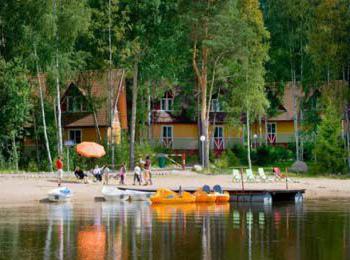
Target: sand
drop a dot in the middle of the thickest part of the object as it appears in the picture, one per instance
(26, 188)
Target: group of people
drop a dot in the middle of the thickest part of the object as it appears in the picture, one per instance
(142, 172)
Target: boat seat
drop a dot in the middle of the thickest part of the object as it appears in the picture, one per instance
(217, 188)
(206, 188)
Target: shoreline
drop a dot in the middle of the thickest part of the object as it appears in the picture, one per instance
(31, 187)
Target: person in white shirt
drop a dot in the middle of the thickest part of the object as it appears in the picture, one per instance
(137, 174)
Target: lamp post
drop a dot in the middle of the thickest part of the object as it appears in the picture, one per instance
(68, 144)
(255, 136)
(202, 139)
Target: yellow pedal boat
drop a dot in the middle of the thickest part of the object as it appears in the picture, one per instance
(222, 197)
(202, 196)
(167, 196)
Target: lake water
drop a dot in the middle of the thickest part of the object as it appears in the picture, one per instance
(101, 230)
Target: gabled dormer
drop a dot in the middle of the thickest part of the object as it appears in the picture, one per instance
(73, 100)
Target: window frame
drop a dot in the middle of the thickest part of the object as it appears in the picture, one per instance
(268, 132)
(167, 138)
(73, 131)
(74, 100)
(215, 108)
(222, 137)
(167, 103)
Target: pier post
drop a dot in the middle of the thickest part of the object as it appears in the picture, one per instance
(242, 181)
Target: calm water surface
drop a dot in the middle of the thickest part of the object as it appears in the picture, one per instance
(101, 230)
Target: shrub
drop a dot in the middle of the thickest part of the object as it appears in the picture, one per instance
(226, 160)
(240, 152)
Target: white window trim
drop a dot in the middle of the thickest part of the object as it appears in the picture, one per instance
(172, 134)
(71, 110)
(222, 137)
(76, 129)
(212, 105)
(166, 108)
(272, 123)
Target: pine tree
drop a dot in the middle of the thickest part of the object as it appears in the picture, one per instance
(329, 149)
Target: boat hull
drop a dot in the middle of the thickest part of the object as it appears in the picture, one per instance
(59, 195)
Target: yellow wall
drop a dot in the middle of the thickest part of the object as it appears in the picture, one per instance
(179, 130)
(88, 134)
(191, 130)
(283, 127)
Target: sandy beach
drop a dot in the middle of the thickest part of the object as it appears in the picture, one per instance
(25, 188)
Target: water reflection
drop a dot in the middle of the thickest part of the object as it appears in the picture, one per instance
(206, 231)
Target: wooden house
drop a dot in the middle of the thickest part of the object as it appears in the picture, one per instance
(174, 130)
(94, 107)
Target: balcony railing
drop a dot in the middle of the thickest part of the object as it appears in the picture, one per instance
(189, 143)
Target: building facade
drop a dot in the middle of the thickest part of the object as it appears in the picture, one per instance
(179, 132)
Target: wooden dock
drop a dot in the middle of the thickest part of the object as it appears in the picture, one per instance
(265, 196)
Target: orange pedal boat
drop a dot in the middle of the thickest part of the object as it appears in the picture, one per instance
(202, 196)
(167, 196)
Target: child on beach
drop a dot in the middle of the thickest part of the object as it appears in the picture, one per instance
(122, 173)
(59, 167)
(137, 174)
(147, 174)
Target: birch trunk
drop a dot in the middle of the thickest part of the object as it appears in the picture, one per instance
(133, 116)
(96, 125)
(248, 140)
(58, 97)
(295, 117)
(47, 145)
(347, 135)
(149, 114)
(14, 150)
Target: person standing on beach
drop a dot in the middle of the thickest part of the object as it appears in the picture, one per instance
(59, 167)
(148, 174)
(122, 173)
(137, 174)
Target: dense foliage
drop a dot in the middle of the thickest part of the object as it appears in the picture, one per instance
(236, 47)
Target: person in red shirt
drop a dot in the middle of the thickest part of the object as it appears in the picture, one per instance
(59, 167)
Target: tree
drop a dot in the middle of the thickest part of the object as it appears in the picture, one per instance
(217, 59)
(329, 150)
(289, 60)
(14, 104)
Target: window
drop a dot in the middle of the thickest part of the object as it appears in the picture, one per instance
(167, 102)
(75, 135)
(271, 133)
(219, 138)
(215, 105)
(167, 136)
(75, 104)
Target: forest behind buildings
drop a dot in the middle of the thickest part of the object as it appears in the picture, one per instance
(242, 53)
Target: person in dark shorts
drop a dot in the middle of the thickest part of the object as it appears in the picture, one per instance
(80, 174)
(122, 173)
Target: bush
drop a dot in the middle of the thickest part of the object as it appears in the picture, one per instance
(240, 151)
(226, 160)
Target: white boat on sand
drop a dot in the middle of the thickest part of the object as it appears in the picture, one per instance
(60, 194)
(112, 193)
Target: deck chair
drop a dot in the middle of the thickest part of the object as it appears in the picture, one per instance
(262, 174)
(206, 188)
(279, 176)
(217, 188)
(277, 173)
(236, 175)
(250, 175)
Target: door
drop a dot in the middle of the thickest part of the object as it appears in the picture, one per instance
(271, 133)
(167, 136)
(219, 138)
